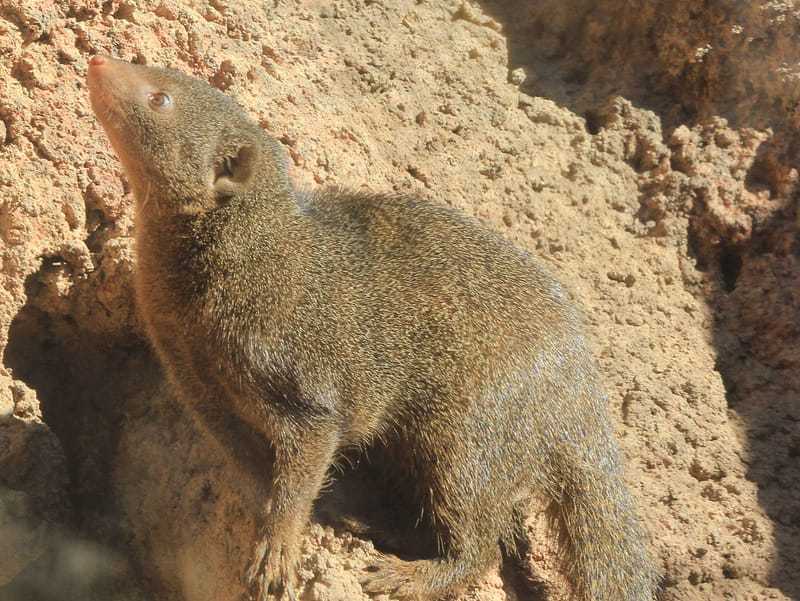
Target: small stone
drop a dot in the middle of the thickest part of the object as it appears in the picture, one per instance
(634, 320)
(225, 76)
(166, 12)
(725, 138)
(37, 71)
(418, 174)
(517, 76)
(616, 276)
(681, 136)
(64, 40)
(24, 400)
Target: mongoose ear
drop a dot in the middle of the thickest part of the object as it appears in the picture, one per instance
(233, 172)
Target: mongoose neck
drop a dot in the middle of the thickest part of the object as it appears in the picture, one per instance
(268, 224)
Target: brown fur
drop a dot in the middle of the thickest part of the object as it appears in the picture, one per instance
(318, 323)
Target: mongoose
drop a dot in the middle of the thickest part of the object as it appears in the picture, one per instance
(314, 323)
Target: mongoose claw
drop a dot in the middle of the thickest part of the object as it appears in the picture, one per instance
(391, 577)
(256, 590)
(270, 572)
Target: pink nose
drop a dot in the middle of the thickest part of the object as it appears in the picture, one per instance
(102, 67)
(101, 72)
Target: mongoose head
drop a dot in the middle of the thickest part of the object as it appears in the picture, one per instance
(185, 146)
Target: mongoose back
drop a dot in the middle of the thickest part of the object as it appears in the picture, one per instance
(316, 323)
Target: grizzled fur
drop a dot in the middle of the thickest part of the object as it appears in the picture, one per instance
(312, 324)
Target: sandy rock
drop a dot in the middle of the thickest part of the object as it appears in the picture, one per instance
(32, 480)
(649, 156)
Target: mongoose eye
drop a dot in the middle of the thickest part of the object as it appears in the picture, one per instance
(159, 100)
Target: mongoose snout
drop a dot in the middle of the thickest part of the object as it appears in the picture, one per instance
(318, 323)
(115, 90)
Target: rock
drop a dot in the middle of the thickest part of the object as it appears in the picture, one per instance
(601, 125)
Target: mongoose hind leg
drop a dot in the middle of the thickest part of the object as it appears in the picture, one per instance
(422, 579)
(302, 459)
(468, 546)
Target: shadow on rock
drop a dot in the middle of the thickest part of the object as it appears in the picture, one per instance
(757, 328)
(682, 60)
(82, 380)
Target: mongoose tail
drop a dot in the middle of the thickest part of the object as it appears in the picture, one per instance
(603, 545)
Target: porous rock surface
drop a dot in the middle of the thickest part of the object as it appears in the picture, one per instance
(647, 153)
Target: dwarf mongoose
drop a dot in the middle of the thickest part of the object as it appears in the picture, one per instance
(315, 323)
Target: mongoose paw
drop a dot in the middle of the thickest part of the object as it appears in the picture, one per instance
(271, 571)
(393, 577)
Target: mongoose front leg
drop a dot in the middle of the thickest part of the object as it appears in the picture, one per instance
(303, 454)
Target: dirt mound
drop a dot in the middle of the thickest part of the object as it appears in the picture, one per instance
(647, 154)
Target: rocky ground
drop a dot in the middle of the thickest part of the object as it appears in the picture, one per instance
(647, 153)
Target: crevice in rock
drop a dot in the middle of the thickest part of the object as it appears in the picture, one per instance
(594, 122)
(79, 377)
(730, 265)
